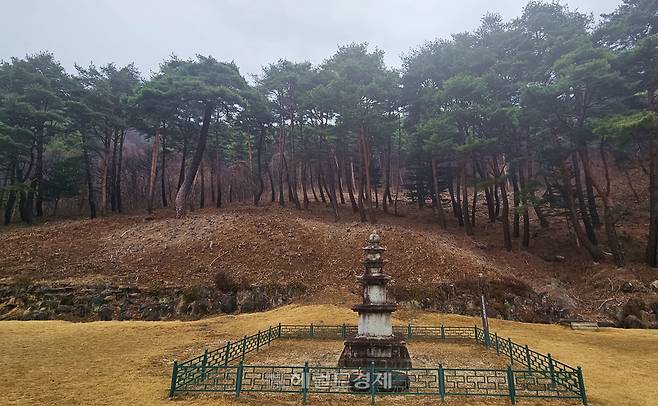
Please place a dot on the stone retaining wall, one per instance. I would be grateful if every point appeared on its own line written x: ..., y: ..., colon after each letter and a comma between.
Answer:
x: 43, y: 301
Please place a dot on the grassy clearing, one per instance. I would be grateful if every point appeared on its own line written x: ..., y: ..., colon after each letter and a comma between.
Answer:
x: 121, y: 363
x: 423, y: 354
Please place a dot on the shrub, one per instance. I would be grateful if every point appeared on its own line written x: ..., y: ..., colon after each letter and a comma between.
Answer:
x: 226, y: 283
x: 22, y: 282
x: 192, y: 293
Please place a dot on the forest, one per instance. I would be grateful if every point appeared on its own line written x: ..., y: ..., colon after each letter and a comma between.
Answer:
x: 551, y: 114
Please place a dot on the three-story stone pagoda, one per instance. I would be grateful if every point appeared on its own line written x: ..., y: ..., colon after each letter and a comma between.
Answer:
x: 375, y: 341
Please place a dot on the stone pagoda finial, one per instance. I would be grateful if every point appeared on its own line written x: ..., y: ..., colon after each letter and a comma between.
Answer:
x: 374, y: 263
x: 374, y: 237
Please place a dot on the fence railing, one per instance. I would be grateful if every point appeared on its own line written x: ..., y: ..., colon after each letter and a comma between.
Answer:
x: 539, y: 376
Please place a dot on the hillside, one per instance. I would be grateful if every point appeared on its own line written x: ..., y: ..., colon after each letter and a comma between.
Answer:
x: 318, y: 258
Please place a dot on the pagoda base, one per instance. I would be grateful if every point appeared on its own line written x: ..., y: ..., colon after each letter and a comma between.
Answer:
x: 384, y: 352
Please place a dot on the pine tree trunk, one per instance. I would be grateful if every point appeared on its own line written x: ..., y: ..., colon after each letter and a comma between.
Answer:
x: 332, y: 188
x: 11, y: 198
x: 304, y: 191
x: 269, y: 175
x: 310, y: 178
x: 591, y: 201
x: 465, y: 216
x: 104, y: 172
x: 281, y: 163
x: 368, y: 186
x: 609, y: 211
x: 320, y: 183
x: 526, y: 215
x: 259, y: 153
x: 474, y: 204
x: 507, y: 237
x: 651, y: 257
x: 117, y: 184
x: 488, y: 193
x: 437, y: 195
x: 324, y: 185
x: 587, y: 219
x: 352, y: 175
x: 629, y: 182
x: 5, y: 182
x: 543, y: 221
x: 202, y: 178
x: 517, y: 203
x: 213, y: 197
x: 593, y: 249
x: 387, y: 176
x: 339, y: 180
x: 183, y: 193
x: 193, y: 191
x: 113, y: 172
x: 181, y: 173
x: 90, y: 181
x: 38, y: 179
x: 376, y: 192
x: 218, y: 202
x: 25, y: 203
x: 454, y: 198
x: 497, y: 201
x: 163, y: 172
x: 291, y: 194
x: 154, y: 169
x: 652, y: 241
x: 362, y: 212
x: 292, y: 176
x: 350, y: 185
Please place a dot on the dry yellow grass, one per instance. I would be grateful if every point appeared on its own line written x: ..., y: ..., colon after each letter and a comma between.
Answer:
x: 126, y: 363
x: 423, y: 354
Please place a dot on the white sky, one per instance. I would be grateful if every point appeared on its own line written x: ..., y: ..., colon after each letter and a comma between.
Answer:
x: 253, y: 33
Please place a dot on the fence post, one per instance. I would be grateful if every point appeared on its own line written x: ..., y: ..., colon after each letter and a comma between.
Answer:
x: 511, y: 352
x: 258, y: 341
x: 238, y: 380
x: 342, y: 331
x: 279, y: 330
x: 510, y: 384
x: 581, y: 385
x: 409, y: 330
x: 527, y: 358
x: 443, y: 332
x: 442, y: 383
x: 204, y: 363
x: 475, y: 328
x: 244, y: 348
x: 373, y: 390
x: 311, y: 330
x: 551, y: 368
x: 305, y: 381
x: 226, y: 354
x: 174, y: 376
x: 497, y: 344
x: 269, y: 336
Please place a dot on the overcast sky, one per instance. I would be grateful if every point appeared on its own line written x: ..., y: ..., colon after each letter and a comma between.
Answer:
x: 253, y: 33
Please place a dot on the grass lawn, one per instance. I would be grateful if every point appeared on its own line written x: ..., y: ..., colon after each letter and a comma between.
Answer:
x: 129, y: 363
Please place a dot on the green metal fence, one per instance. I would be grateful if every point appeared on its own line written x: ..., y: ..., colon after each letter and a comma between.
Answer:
x: 529, y: 375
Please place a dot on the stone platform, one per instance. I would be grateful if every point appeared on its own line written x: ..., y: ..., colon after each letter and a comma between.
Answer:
x: 390, y: 352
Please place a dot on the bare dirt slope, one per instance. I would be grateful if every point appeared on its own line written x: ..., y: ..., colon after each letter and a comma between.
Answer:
x: 260, y: 245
